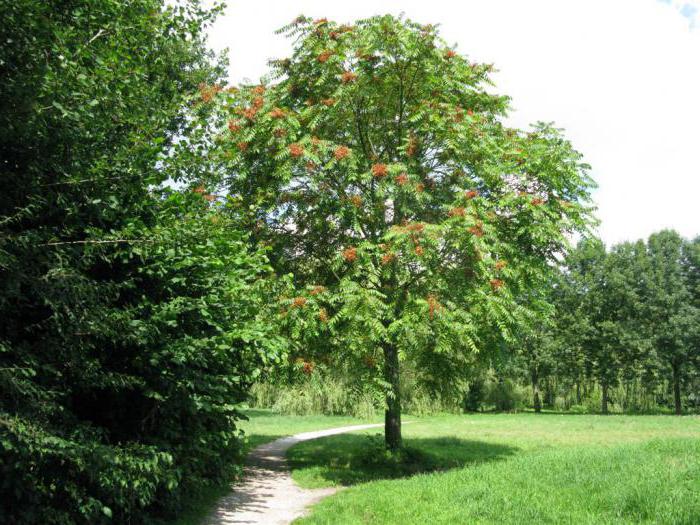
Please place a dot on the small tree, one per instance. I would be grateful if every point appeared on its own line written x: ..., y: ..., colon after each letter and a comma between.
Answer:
x: 379, y: 167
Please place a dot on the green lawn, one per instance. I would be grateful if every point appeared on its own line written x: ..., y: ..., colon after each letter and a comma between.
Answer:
x: 523, y: 468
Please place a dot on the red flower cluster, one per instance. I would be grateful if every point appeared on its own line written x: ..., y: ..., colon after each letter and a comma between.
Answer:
x: 207, y: 92
x: 279, y: 132
x: 433, y: 305
x: 328, y: 101
x: 412, y: 146
x: 495, y: 284
x: 317, y: 290
x: 419, y: 250
x: 348, y: 76
x: 296, y: 150
x: 258, y: 102
x: 323, y: 315
x: 415, y: 227
x: 350, y: 254
x: 323, y: 57
x: 379, y: 170
x: 500, y: 264
x: 387, y: 258
x: 250, y: 113
x: 356, y: 201
x: 233, y: 126
x: 471, y: 194
x: 259, y: 90
x: 341, y: 152
x: 401, y: 179
x: 537, y: 201
x: 457, y: 212
x: 298, y: 302
x: 276, y: 113
x: 308, y: 367
x: 243, y: 146
x: 476, y: 230
x: 450, y: 54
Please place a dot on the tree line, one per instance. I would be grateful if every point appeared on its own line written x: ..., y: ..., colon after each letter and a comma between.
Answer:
x: 628, y: 319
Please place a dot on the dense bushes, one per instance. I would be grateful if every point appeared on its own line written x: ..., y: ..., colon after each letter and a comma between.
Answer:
x: 132, y: 317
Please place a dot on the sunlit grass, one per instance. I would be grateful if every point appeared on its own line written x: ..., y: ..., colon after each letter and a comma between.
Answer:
x: 523, y: 468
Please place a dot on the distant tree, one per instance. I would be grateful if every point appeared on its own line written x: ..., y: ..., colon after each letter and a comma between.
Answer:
x: 380, y: 170
x: 671, y: 312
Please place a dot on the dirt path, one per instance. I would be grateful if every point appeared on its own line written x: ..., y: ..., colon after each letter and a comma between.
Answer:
x: 267, y: 493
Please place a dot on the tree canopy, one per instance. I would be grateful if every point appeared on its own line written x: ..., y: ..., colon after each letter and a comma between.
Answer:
x: 377, y: 164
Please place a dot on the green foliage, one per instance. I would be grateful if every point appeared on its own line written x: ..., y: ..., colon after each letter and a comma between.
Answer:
x: 376, y: 162
x: 134, y: 318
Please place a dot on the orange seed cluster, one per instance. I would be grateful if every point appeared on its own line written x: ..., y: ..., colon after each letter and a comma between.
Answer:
x: 350, y: 254
x: 296, y: 150
x: 276, y: 112
x: 471, y: 194
x: 348, y: 76
x: 299, y: 302
x: 341, y: 152
x: 401, y: 179
x: 496, y: 284
x: 379, y: 170
x: 323, y: 315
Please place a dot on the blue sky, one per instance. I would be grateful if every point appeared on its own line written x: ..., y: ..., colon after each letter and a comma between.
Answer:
x: 621, y: 77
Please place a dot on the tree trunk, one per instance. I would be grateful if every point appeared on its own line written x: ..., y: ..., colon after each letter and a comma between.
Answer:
x: 604, y: 402
x: 536, y: 402
x: 677, y: 389
x: 392, y: 414
x: 578, y: 392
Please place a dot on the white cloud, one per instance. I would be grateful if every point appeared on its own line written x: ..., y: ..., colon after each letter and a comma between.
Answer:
x: 622, y: 78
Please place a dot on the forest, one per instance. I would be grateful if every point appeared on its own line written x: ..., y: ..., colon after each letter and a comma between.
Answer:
x: 360, y: 234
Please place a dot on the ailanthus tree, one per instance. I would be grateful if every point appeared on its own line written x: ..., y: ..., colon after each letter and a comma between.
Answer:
x: 377, y: 164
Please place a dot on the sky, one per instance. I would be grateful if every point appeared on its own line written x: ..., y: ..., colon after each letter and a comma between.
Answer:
x: 621, y: 77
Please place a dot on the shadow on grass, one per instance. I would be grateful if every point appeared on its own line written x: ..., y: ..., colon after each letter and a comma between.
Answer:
x: 349, y: 459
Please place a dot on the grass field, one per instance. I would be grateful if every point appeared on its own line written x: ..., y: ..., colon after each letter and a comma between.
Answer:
x: 501, y: 468
x: 494, y: 468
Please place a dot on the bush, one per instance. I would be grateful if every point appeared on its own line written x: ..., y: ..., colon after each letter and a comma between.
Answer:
x: 133, y: 318
x: 505, y: 395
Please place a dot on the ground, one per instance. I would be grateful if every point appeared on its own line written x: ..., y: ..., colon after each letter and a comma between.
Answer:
x: 499, y: 468
x: 504, y: 468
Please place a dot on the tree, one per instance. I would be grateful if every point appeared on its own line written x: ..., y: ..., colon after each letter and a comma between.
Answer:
x: 672, y: 316
x: 131, y: 315
x: 608, y: 305
x: 377, y: 164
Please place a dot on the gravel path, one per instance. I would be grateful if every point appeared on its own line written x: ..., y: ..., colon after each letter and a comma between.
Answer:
x: 267, y: 494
